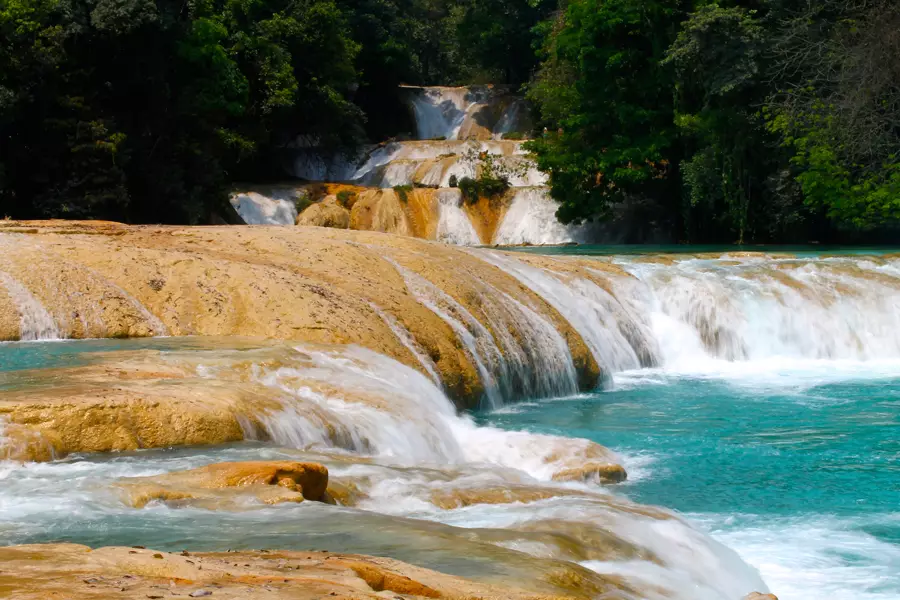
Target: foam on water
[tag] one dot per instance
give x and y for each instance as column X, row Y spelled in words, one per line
column 815, row 556
column 531, row 219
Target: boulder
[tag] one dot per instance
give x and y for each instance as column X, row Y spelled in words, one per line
column 604, row 473
column 327, row 213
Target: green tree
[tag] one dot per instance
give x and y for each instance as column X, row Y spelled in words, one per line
column 606, row 104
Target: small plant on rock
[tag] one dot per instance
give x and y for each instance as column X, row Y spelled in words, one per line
column 403, row 192
column 346, row 198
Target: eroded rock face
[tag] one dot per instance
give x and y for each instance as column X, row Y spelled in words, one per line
column 229, row 485
column 58, row 571
column 307, row 284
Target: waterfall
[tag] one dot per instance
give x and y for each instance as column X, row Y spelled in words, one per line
column 510, row 120
column 732, row 309
column 406, row 338
column 531, row 219
column 615, row 335
column 524, row 357
column 392, row 432
column 35, row 323
column 757, row 308
column 441, row 111
column 454, row 226
column 271, row 209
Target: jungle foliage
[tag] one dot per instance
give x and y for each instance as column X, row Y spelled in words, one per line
column 745, row 120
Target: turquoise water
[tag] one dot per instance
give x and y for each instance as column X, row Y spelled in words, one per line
column 795, row 467
column 634, row 249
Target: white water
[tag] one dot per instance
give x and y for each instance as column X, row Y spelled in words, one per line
column 419, row 446
column 533, row 361
column 531, row 219
column 454, row 226
column 35, row 323
column 258, row 209
column 441, row 111
column 752, row 309
column 407, row 339
column 684, row 315
column 615, row 336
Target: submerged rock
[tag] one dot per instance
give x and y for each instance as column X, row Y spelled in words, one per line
column 601, row 473
column 229, row 485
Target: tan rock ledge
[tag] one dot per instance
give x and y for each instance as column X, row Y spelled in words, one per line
column 63, row 571
column 311, row 284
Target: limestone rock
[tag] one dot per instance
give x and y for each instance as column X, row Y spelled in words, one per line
column 380, row 210
column 460, row 497
column 309, row 284
column 327, row 213
column 759, row 596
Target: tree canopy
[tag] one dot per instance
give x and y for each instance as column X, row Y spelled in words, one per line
column 761, row 120
column 740, row 120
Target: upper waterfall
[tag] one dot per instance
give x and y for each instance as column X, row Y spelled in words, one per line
column 461, row 132
column 459, row 113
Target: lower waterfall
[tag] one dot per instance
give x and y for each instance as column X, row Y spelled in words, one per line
column 391, row 431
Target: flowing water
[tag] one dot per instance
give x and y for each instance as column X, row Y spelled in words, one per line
column 755, row 396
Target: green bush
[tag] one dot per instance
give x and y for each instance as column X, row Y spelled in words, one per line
column 346, row 198
column 487, row 187
column 403, row 192
column 469, row 188
column 454, row 181
column 513, row 135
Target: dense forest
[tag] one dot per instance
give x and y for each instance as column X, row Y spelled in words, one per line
column 752, row 121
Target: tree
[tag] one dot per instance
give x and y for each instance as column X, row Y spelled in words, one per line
column 606, row 104
column 837, row 108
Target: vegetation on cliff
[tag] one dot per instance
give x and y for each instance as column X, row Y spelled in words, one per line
column 742, row 120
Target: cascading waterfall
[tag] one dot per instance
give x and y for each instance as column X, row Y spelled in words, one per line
column 730, row 308
column 531, row 219
column 440, row 111
column 410, row 343
column 404, row 434
column 258, row 209
column 532, row 363
column 617, row 338
column 35, row 323
column 454, row 226
column 764, row 308
column 456, row 129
